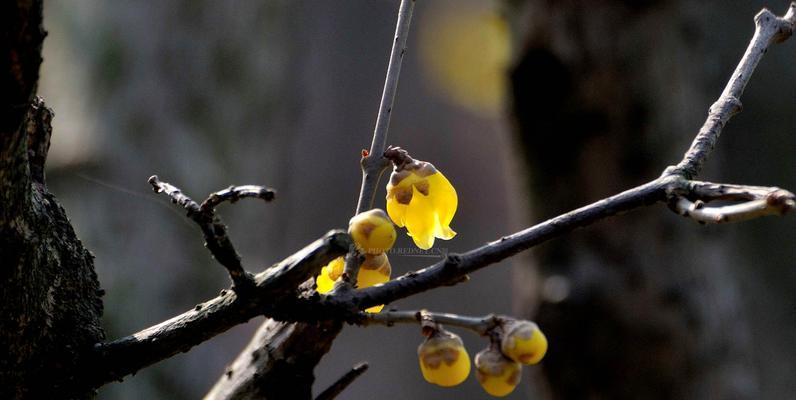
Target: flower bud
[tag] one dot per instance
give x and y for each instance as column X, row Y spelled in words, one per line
column 329, row 275
column 497, row 374
column 373, row 271
column 372, row 231
column 523, row 342
column 443, row 359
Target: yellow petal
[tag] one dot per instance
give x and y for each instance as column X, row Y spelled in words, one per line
column 397, row 211
column 444, row 197
column 421, row 221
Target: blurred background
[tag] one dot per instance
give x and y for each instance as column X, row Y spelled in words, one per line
column 530, row 108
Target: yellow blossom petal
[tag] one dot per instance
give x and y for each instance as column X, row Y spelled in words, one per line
column 497, row 374
column 421, row 220
column 372, row 231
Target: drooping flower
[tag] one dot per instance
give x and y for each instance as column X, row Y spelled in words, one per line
column 443, row 359
column 497, row 374
column 374, row 270
column 524, row 342
column 420, row 198
column 372, row 231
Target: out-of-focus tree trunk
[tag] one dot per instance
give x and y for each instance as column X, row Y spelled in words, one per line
column 605, row 94
column 50, row 309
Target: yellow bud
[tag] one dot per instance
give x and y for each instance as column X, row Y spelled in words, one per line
column 373, row 271
column 524, row 342
column 422, row 199
column 497, row 374
column 443, row 359
column 372, row 231
column 329, row 275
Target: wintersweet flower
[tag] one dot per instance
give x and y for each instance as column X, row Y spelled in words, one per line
column 422, row 199
column 497, row 374
column 524, row 342
column 374, row 270
column 443, row 359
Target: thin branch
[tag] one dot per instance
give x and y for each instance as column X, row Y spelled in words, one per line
column 480, row 325
column 374, row 163
column 215, row 232
column 769, row 29
column 235, row 193
column 124, row 356
column 762, row 202
column 341, row 384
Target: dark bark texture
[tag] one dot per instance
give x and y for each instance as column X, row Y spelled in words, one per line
column 51, row 304
column 605, row 95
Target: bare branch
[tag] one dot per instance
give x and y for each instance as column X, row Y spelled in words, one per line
column 758, row 202
column 768, row 29
column 214, row 231
column 479, row 325
column 341, row 384
column 235, row 193
column 124, row 356
column 374, row 163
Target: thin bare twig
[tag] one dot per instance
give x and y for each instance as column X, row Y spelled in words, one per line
column 480, row 325
column 341, row 384
column 769, row 29
column 215, row 232
column 235, row 193
column 373, row 162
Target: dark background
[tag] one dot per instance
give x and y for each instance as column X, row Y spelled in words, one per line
column 284, row 93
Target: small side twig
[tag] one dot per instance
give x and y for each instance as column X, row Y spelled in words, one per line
column 480, row 325
column 215, row 232
column 756, row 202
column 235, row 193
column 341, row 384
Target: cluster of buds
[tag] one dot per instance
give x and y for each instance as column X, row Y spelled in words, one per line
column 444, row 360
column 373, row 235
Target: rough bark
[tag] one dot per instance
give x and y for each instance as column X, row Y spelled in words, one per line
column 602, row 92
column 51, row 297
column 278, row 363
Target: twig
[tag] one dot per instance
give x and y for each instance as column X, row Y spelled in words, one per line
column 124, row 356
column 235, row 193
column 768, row 29
column 341, row 384
column 479, row 325
column 215, row 232
column 773, row 201
column 373, row 162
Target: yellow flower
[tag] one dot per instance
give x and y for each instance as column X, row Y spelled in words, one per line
column 497, row 374
column 374, row 270
column 443, row 359
column 422, row 199
column 524, row 342
column 372, row 231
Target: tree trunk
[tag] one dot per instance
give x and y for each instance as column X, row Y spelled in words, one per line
column 51, row 304
column 643, row 306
